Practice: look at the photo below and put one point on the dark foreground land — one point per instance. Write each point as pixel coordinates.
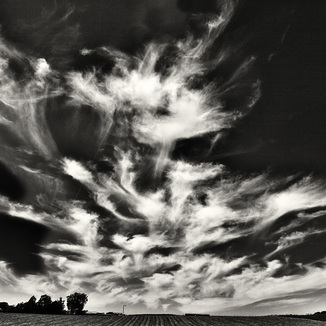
(148, 320)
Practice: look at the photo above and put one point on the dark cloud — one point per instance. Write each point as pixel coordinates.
(161, 251)
(59, 30)
(253, 246)
(74, 129)
(291, 269)
(164, 269)
(306, 251)
(10, 185)
(285, 131)
(20, 242)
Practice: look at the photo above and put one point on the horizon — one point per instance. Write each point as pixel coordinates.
(92, 312)
(168, 156)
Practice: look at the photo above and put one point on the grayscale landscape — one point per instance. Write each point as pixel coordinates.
(162, 157)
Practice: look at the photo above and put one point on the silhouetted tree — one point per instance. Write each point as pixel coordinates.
(20, 307)
(44, 304)
(4, 306)
(30, 305)
(57, 306)
(76, 302)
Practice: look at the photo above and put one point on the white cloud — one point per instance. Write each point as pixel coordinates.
(77, 171)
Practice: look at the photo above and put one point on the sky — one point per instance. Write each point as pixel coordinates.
(164, 155)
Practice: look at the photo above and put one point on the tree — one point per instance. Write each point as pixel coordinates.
(20, 307)
(44, 304)
(57, 306)
(4, 306)
(30, 305)
(76, 302)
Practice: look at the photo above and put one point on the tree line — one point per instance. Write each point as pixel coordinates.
(45, 305)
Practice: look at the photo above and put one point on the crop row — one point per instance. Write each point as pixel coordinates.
(148, 320)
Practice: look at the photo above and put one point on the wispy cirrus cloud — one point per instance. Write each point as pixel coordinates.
(113, 204)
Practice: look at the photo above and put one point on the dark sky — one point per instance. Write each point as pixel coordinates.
(285, 130)
(288, 124)
(156, 155)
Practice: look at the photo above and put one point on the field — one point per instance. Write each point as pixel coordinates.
(148, 320)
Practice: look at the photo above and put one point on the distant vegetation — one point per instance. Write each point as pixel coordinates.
(320, 315)
(45, 305)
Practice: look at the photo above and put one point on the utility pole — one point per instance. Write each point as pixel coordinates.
(123, 308)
